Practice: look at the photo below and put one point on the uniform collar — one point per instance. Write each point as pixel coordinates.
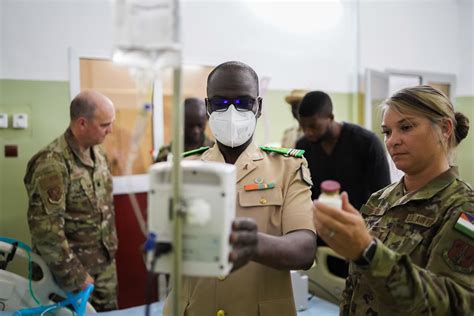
(246, 162)
(213, 154)
(251, 153)
(426, 192)
(207, 141)
(74, 145)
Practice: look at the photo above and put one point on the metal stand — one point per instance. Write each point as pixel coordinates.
(177, 182)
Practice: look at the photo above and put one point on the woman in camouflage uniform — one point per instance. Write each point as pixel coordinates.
(412, 250)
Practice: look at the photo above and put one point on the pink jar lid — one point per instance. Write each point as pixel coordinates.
(330, 186)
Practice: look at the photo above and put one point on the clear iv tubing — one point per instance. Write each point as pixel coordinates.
(144, 81)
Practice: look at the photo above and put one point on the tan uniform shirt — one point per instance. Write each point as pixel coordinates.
(256, 289)
(291, 136)
(424, 262)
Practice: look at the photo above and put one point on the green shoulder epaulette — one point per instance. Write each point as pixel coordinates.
(196, 151)
(298, 153)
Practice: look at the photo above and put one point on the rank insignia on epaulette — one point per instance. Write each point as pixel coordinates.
(193, 152)
(259, 186)
(465, 224)
(306, 175)
(298, 153)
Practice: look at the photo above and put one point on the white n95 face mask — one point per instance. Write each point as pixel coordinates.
(232, 128)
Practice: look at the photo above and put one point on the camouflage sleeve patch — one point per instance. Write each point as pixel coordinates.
(465, 224)
(51, 185)
(458, 252)
(460, 257)
(52, 192)
(55, 195)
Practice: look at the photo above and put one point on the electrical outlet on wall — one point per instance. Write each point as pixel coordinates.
(3, 120)
(20, 120)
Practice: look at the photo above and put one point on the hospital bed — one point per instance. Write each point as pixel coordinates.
(18, 292)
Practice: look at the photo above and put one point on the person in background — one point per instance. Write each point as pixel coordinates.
(340, 151)
(412, 249)
(344, 152)
(293, 134)
(273, 195)
(195, 120)
(70, 210)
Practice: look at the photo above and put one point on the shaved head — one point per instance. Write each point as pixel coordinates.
(85, 104)
(228, 73)
(92, 115)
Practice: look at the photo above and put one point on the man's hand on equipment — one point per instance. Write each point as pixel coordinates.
(243, 239)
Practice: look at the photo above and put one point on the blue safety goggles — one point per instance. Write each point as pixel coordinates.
(220, 104)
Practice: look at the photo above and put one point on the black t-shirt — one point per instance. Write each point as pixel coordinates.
(358, 162)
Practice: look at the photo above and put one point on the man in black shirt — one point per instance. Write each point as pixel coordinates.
(344, 152)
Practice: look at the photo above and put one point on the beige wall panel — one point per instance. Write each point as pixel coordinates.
(115, 82)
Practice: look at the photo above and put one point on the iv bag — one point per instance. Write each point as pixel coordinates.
(147, 33)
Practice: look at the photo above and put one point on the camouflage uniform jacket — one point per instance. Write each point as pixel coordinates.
(423, 264)
(70, 212)
(166, 150)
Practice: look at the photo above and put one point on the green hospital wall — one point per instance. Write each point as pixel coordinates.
(464, 156)
(47, 105)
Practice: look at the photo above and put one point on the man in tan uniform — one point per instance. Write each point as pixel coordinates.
(273, 189)
(292, 134)
(70, 213)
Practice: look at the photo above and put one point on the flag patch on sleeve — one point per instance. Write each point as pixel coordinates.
(465, 224)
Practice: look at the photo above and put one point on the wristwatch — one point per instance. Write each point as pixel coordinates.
(367, 254)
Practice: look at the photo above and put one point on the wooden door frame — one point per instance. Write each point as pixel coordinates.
(121, 184)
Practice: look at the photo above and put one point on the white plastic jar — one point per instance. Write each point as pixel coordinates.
(330, 193)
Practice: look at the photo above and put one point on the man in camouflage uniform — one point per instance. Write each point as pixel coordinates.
(195, 120)
(71, 214)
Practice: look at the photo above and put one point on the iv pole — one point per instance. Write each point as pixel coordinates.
(154, 53)
(178, 210)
